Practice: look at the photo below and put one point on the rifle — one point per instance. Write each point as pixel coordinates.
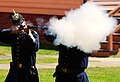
(17, 19)
(37, 27)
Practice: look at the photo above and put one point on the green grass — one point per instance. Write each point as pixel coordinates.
(95, 61)
(114, 56)
(5, 61)
(104, 74)
(5, 50)
(3, 74)
(47, 52)
(97, 74)
(38, 61)
(46, 60)
(45, 75)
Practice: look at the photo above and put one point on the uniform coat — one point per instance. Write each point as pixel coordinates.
(24, 48)
(72, 62)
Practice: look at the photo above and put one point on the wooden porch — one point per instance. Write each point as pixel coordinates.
(112, 45)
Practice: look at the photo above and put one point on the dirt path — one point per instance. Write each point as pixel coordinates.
(104, 62)
(93, 62)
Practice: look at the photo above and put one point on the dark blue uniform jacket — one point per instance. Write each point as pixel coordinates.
(71, 58)
(23, 47)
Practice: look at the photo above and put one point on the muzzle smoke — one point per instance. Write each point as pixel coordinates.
(84, 27)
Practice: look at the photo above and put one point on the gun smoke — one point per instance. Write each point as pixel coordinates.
(84, 27)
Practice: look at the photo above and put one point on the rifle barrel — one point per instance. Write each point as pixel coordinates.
(37, 27)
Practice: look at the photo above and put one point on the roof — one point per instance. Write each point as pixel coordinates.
(50, 7)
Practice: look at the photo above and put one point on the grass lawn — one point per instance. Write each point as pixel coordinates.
(104, 74)
(47, 52)
(38, 61)
(114, 56)
(98, 74)
(5, 50)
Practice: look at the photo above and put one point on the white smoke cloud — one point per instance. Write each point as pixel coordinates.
(83, 27)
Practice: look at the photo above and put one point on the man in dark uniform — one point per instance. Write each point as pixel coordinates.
(24, 44)
(72, 62)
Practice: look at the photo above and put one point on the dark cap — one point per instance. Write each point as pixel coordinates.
(16, 18)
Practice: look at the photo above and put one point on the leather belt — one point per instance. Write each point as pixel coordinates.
(66, 70)
(19, 65)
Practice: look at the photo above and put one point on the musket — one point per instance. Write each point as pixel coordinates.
(18, 19)
(37, 27)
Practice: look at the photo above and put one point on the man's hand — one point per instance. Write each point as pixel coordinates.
(16, 29)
